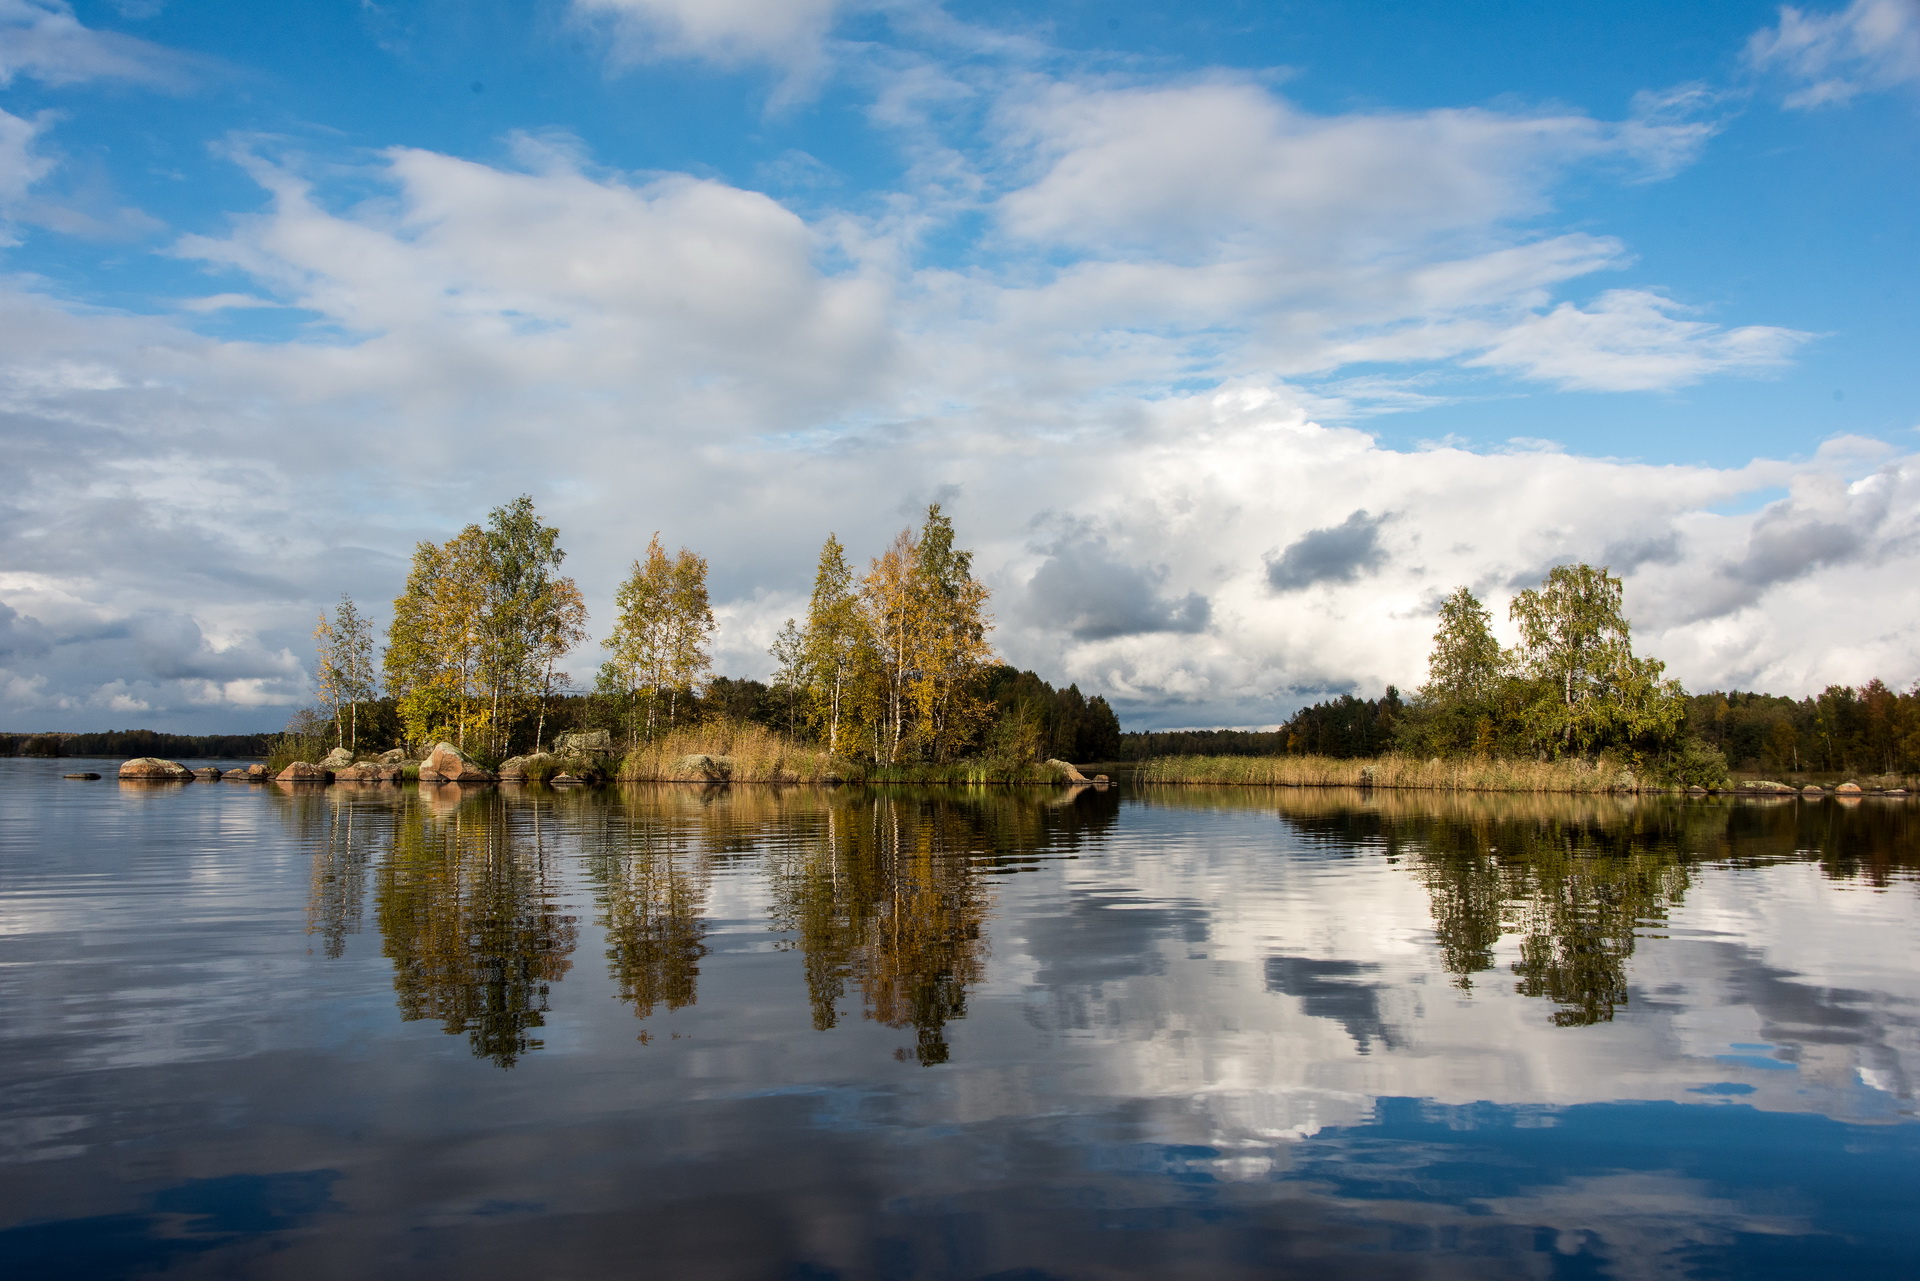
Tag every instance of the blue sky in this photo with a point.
(1150, 295)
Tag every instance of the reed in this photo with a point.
(1460, 775)
(756, 754)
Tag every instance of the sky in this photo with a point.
(1233, 336)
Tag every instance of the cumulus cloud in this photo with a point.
(1083, 589)
(1838, 55)
(1337, 554)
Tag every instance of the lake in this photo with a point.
(661, 1031)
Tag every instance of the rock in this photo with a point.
(1101, 780)
(709, 769)
(1813, 789)
(1696, 790)
(393, 773)
(153, 769)
(597, 742)
(1071, 774)
(364, 772)
(398, 756)
(1895, 791)
(519, 768)
(448, 764)
(258, 773)
(207, 774)
(565, 780)
(1764, 785)
(304, 772)
(338, 758)
(1848, 789)
(80, 776)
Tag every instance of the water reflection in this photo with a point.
(886, 896)
(465, 903)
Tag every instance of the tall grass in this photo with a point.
(1463, 775)
(755, 754)
(758, 755)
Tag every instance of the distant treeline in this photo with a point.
(1344, 728)
(1868, 730)
(128, 743)
(1865, 730)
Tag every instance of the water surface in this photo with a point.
(671, 1032)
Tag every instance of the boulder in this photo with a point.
(596, 742)
(338, 758)
(448, 764)
(207, 774)
(80, 776)
(519, 768)
(153, 769)
(1067, 771)
(395, 756)
(702, 767)
(304, 772)
(1764, 785)
(1848, 788)
(1696, 790)
(394, 772)
(364, 772)
(258, 773)
(1813, 789)
(565, 780)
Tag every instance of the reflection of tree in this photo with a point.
(888, 896)
(1575, 878)
(342, 849)
(468, 916)
(651, 889)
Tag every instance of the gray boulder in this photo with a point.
(703, 768)
(519, 768)
(597, 742)
(338, 758)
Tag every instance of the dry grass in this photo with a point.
(1383, 771)
(758, 754)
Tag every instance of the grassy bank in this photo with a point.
(742, 752)
(1463, 775)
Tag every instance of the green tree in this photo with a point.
(345, 672)
(1457, 711)
(1588, 691)
(660, 635)
(835, 645)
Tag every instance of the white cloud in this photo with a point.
(22, 164)
(1630, 340)
(1836, 56)
(786, 34)
(43, 39)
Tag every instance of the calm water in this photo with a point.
(660, 1032)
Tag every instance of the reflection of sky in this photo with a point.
(1203, 1045)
